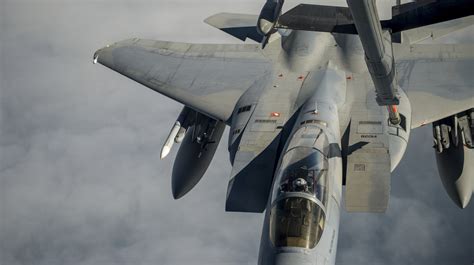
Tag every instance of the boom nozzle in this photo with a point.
(393, 115)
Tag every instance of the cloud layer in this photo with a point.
(80, 177)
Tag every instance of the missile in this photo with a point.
(178, 131)
(180, 136)
(193, 158)
(165, 150)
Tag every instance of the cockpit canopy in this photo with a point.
(300, 193)
(296, 222)
(304, 170)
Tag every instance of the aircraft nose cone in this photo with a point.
(293, 259)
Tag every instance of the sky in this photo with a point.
(81, 181)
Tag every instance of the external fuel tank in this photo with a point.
(454, 150)
(199, 136)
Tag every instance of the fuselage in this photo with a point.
(306, 116)
(312, 84)
(302, 218)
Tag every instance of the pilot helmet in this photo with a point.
(300, 184)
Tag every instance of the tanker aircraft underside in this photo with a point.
(328, 98)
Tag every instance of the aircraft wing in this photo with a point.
(438, 79)
(209, 78)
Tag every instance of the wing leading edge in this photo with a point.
(209, 78)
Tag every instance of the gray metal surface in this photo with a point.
(207, 78)
(241, 26)
(368, 153)
(401, 18)
(254, 162)
(368, 164)
(303, 79)
(378, 50)
(437, 78)
(436, 31)
(194, 157)
(456, 170)
(454, 149)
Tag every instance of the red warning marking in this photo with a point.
(349, 78)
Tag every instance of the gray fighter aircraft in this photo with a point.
(326, 100)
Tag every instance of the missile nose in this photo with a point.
(164, 152)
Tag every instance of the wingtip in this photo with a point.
(95, 58)
(212, 20)
(102, 52)
(208, 20)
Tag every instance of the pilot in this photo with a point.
(300, 185)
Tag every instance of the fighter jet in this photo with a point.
(324, 101)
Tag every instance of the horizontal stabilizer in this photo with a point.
(318, 18)
(241, 26)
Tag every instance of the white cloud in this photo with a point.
(80, 177)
